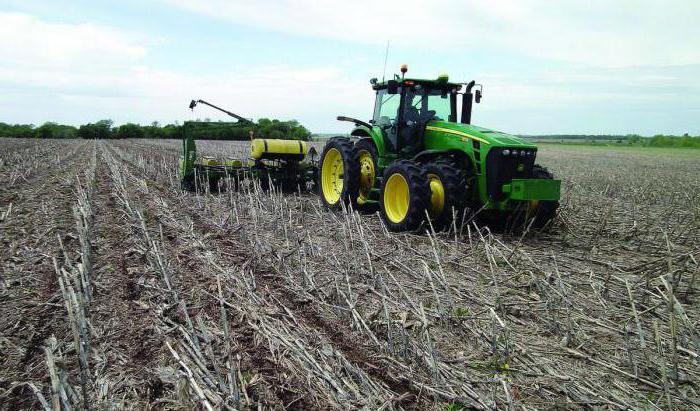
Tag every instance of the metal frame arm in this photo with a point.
(193, 103)
(354, 120)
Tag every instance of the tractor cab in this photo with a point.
(403, 107)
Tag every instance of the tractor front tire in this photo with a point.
(338, 179)
(449, 190)
(542, 211)
(405, 196)
(364, 153)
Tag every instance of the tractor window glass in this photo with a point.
(386, 108)
(440, 105)
(425, 105)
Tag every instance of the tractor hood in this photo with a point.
(476, 133)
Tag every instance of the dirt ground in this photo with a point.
(117, 290)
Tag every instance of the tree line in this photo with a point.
(201, 130)
(666, 141)
(658, 140)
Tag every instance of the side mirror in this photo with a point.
(477, 96)
(373, 81)
(392, 87)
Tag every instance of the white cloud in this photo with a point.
(594, 33)
(645, 100)
(611, 87)
(83, 72)
(30, 42)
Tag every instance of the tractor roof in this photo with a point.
(442, 82)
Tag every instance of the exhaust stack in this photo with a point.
(467, 103)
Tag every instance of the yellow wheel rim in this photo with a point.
(437, 196)
(332, 176)
(532, 207)
(396, 198)
(367, 174)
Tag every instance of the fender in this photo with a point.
(460, 157)
(363, 130)
(354, 120)
(373, 133)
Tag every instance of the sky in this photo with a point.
(547, 67)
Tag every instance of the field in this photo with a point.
(117, 290)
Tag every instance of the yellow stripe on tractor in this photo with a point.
(457, 133)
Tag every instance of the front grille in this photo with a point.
(501, 169)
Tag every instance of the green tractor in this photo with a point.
(415, 160)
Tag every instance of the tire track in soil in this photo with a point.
(244, 337)
(133, 346)
(272, 278)
(8, 193)
(31, 306)
(307, 313)
(359, 356)
(258, 357)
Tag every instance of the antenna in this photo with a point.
(386, 56)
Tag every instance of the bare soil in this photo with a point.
(117, 290)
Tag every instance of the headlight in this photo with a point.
(506, 152)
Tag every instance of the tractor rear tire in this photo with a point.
(448, 187)
(544, 211)
(338, 178)
(364, 153)
(405, 196)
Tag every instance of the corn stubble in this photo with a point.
(118, 290)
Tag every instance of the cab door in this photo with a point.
(386, 117)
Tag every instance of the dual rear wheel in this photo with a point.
(348, 173)
(365, 154)
(410, 191)
(338, 179)
(405, 196)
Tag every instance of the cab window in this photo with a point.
(425, 105)
(386, 108)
